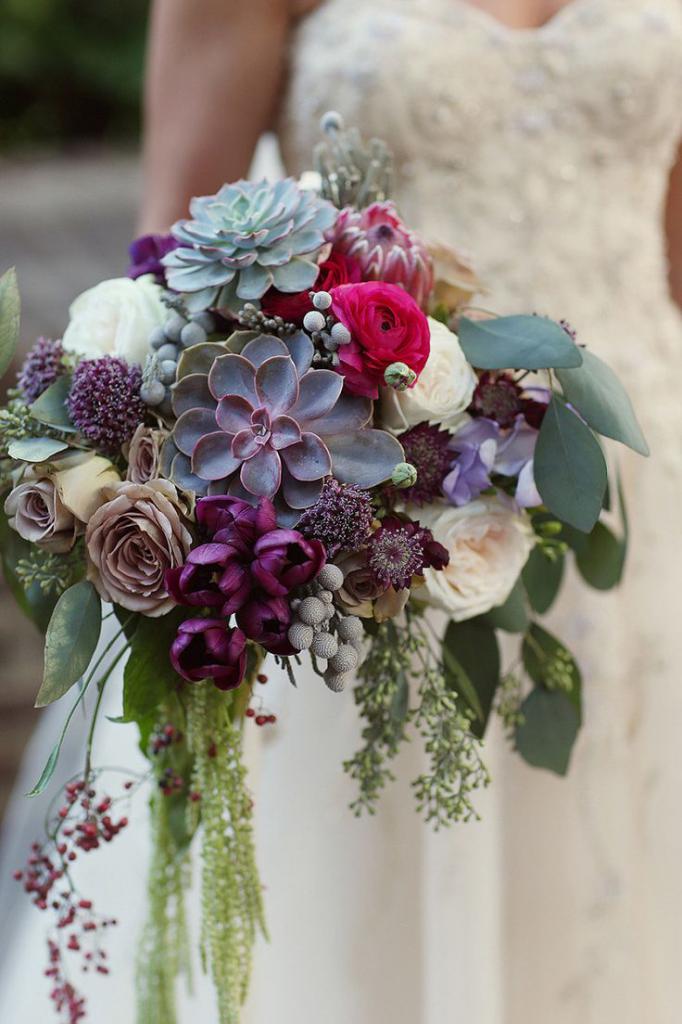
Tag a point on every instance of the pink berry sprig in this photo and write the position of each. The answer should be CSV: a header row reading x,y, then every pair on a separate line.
x,y
259,714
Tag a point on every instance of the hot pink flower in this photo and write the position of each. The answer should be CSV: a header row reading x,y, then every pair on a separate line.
x,y
336,270
387,326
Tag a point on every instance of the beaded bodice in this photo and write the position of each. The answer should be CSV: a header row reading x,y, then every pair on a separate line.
x,y
544,154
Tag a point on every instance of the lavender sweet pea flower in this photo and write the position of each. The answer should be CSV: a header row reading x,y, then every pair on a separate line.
x,y
146,254
209,649
470,474
266,620
284,559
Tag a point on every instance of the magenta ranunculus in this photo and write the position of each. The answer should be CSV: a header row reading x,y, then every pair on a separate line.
x,y
209,649
337,269
266,620
284,560
387,326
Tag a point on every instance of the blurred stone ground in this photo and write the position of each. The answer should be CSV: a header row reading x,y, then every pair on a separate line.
x,y
65,223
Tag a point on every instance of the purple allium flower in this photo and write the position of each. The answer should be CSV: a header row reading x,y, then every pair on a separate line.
x,y
41,367
401,549
104,402
146,254
427,449
209,649
341,518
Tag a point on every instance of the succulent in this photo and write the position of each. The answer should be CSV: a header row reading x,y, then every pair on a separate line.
x,y
385,248
249,237
256,420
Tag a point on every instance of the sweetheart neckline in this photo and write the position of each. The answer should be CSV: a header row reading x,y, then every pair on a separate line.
x,y
566,11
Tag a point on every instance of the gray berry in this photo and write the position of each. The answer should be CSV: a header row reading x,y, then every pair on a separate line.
x,y
322,301
192,334
157,338
168,351
325,646
167,371
336,681
312,611
300,636
314,321
345,659
350,628
331,577
340,334
153,393
173,326
332,121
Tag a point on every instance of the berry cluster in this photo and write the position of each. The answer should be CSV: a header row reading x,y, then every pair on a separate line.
x,y
168,343
80,825
260,715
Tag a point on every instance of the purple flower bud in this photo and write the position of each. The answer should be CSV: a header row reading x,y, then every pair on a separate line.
x,y
284,559
209,649
266,620
146,254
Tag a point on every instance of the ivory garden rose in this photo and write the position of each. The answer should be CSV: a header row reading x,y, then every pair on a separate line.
x,y
488,542
115,318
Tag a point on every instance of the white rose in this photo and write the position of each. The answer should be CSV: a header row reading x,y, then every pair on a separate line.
x,y
115,318
443,390
488,541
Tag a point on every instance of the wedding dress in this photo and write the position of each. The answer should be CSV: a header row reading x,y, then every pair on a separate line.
x,y
545,155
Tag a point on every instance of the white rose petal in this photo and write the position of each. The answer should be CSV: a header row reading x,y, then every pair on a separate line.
x,y
488,541
115,318
443,390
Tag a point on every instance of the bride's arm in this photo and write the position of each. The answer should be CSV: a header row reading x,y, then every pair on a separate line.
x,y
214,70
674,227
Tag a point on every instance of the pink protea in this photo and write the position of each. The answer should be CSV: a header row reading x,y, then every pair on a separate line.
x,y
385,248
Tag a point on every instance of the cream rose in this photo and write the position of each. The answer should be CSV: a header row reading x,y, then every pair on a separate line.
x,y
115,318
443,390
488,541
131,540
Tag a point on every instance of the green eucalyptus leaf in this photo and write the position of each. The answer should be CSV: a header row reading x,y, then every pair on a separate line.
x,y
517,342
50,407
149,678
471,659
595,391
71,639
512,616
35,449
10,312
570,469
542,578
540,652
548,731
602,561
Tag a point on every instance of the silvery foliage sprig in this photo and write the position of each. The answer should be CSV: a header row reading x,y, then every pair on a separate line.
x,y
352,172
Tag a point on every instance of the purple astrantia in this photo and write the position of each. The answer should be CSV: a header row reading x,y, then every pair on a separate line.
x,y
401,549
104,402
428,449
41,367
209,649
146,254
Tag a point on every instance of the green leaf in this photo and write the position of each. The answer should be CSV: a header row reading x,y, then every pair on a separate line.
x,y
517,342
601,399
51,763
542,578
71,639
33,601
570,469
149,677
602,561
50,407
10,311
512,616
35,449
549,729
540,650
471,658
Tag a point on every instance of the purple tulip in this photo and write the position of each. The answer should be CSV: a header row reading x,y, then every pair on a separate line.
x,y
209,649
146,254
266,620
284,559
223,512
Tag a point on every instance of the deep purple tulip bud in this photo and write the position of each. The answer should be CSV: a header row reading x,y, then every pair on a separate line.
x,y
193,585
222,512
146,254
266,620
284,560
209,649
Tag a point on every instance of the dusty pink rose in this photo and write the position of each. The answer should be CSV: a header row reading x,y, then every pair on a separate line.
x,y
36,512
386,325
143,454
132,540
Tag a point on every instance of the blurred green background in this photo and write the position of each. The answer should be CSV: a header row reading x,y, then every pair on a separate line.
x,y
70,72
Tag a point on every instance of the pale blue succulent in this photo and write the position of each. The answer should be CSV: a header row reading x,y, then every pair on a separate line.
x,y
245,239
262,422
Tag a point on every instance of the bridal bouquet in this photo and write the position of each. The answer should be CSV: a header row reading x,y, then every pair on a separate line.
x,y
289,434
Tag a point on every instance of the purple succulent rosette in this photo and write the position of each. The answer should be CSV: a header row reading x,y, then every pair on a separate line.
x,y
263,423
